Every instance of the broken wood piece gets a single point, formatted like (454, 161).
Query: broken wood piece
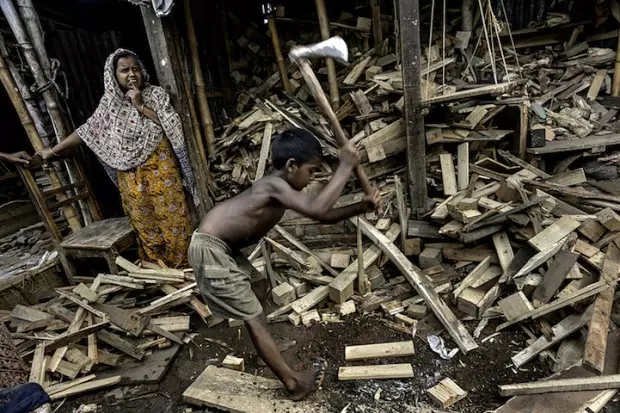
(447, 392)
(463, 165)
(309, 316)
(297, 244)
(469, 300)
(430, 257)
(424, 287)
(380, 372)
(561, 330)
(554, 233)
(71, 337)
(447, 174)
(119, 343)
(609, 219)
(416, 311)
(381, 350)
(553, 279)
(86, 387)
(562, 385)
(233, 363)
(86, 293)
(515, 305)
(339, 260)
(476, 273)
(39, 364)
(156, 304)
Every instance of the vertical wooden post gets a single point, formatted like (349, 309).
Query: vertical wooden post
(161, 43)
(615, 90)
(278, 51)
(467, 15)
(334, 94)
(410, 51)
(377, 32)
(31, 19)
(203, 102)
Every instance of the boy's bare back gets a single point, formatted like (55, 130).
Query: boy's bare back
(247, 217)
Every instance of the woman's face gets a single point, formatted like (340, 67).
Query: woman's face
(128, 73)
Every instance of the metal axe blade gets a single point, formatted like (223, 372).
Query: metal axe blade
(333, 47)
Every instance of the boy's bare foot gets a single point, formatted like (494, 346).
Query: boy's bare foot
(309, 380)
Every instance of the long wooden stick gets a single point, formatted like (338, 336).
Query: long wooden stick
(203, 103)
(329, 62)
(321, 100)
(615, 89)
(377, 32)
(278, 51)
(48, 95)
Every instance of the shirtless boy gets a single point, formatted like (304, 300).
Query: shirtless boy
(228, 282)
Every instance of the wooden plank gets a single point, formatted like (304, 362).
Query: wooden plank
(127, 265)
(72, 337)
(382, 350)
(381, 372)
(38, 367)
(546, 290)
(447, 174)
(596, 84)
(86, 293)
(120, 344)
(297, 244)
(476, 273)
(264, 151)
(515, 305)
(238, 392)
(401, 205)
(68, 384)
(463, 165)
(561, 330)
(596, 343)
(469, 93)
(561, 302)
(424, 287)
(422, 229)
(539, 259)
(341, 288)
(562, 385)
(576, 145)
(22, 312)
(447, 392)
(504, 250)
(554, 233)
(160, 302)
(310, 300)
(86, 387)
(356, 72)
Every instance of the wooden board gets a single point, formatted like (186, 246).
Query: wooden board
(571, 402)
(515, 305)
(576, 145)
(151, 369)
(561, 330)
(447, 392)
(562, 264)
(554, 233)
(381, 350)
(594, 354)
(463, 165)
(562, 385)
(424, 287)
(447, 174)
(386, 371)
(238, 392)
(341, 288)
(85, 387)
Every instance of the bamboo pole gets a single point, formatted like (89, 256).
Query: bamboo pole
(190, 102)
(33, 25)
(32, 134)
(278, 51)
(33, 109)
(377, 32)
(203, 103)
(615, 90)
(334, 94)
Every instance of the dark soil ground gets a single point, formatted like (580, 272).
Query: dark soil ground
(478, 372)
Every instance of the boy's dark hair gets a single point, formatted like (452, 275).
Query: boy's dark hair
(295, 143)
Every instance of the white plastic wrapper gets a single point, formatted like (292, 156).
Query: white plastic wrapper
(438, 346)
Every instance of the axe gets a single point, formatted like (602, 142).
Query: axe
(335, 48)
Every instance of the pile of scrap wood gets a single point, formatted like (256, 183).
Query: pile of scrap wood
(82, 339)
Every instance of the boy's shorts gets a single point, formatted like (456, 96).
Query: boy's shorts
(224, 278)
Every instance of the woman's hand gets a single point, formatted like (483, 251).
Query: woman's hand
(45, 153)
(135, 96)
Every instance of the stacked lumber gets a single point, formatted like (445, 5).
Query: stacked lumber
(78, 340)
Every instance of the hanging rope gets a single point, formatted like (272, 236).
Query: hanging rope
(512, 42)
(495, 24)
(443, 47)
(486, 35)
(428, 52)
(55, 71)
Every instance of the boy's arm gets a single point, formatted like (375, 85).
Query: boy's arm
(318, 206)
(368, 203)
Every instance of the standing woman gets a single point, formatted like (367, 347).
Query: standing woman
(136, 134)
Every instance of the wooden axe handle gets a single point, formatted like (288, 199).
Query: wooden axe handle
(319, 95)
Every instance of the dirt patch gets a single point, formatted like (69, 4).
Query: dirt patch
(478, 372)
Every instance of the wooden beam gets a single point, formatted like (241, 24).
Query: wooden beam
(341, 288)
(561, 330)
(382, 350)
(334, 93)
(424, 287)
(448, 175)
(554, 233)
(562, 385)
(387, 371)
(410, 51)
(72, 337)
(168, 69)
(596, 343)
(462, 160)
(85, 387)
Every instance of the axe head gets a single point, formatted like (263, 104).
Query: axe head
(333, 47)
